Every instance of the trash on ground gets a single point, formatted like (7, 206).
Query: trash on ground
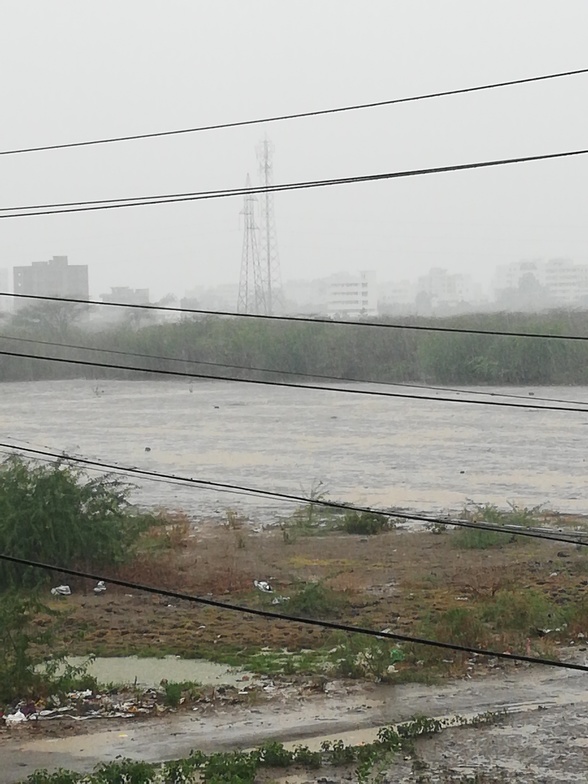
(61, 590)
(263, 586)
(100, 587)
(85, 705)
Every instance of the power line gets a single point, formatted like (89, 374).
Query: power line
(290, 497)
(302, 319)
(297, 115)
(173, 198)
(293, 373)
(280, 616)
(289, 384)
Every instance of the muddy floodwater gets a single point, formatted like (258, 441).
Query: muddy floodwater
(418, 454)
(149, 672)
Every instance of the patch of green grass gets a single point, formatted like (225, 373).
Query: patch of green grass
(522, 611)
(482, 539)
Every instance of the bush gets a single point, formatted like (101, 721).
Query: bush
(316, 601)
(174, 692)
(18, 677)
(23, 672)
(56, 514)
(481, 539)
(360, 656)
(366, 523)
(521, 611)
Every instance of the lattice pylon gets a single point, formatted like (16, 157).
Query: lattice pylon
(270, 260)
(252, 288)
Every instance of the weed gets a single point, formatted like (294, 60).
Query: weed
(274, 755)
(127, 771)
(366, 523)
(240, 767)
(176, 692)
(521, 611)
(481, 539)
(234, 520)
(316, 601)
(60, 776)
(358, 656)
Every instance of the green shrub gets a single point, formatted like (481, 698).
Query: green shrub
(316, 601)
(274, 755)
(460, 625)
(481, 539)
(174, 691)
(360, 656)
(56, 514)
(521, 611)
(366, 523)
(18, 676)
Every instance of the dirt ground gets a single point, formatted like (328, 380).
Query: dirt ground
(397, 580)
(400, 580)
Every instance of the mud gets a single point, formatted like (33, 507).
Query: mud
(543, 740)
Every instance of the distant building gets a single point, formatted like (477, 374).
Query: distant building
(553, 282)
(216, 298)
(397, 296)
(126, 296)
(53, 278)
(441, 289)
(5, 302)
(352, 296)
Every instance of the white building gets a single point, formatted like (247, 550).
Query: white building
(563, 282)
(352, 296)
(446, 289)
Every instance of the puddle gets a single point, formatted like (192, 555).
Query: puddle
(149, 672)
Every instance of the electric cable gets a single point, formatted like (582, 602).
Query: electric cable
(302, 319)
(290, 497)
(281, 616)
(143, 201)
(290, 384)
(297, 115)
(293, 373)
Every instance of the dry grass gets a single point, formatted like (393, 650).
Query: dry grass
(401, 580)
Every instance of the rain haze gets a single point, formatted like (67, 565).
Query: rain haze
(75, 71)
(359, 409)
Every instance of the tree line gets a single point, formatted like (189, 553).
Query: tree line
(340, 350)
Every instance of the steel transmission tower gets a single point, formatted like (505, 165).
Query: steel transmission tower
(252, 290)
(270, 261)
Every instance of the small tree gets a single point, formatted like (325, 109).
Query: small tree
(18, 676)
(56, 514)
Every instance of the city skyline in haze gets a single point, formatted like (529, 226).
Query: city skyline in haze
(83, 72)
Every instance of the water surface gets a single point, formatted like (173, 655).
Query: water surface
(418, 454)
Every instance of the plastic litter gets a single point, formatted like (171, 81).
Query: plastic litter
(263, 586)
(280, 599)
(15, 718)
(100, 587)
(61, 590)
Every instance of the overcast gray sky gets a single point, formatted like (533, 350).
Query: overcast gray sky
(75, 69)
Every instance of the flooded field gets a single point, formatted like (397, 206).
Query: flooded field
(419, 454)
